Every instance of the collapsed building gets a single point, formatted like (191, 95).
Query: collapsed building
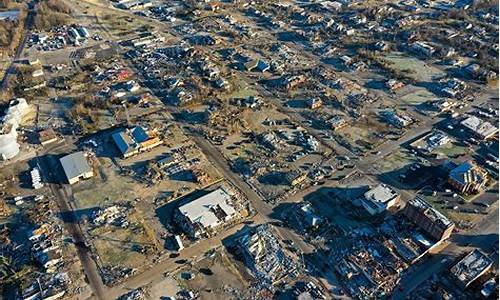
(264, 255)
(470, 268)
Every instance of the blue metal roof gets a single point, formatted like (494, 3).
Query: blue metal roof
(123, 142)
(139, 134)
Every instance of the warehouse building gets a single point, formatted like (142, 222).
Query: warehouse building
(204, 215)
(76, 167)
(133, 141)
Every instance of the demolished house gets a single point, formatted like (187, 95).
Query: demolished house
(264, 255)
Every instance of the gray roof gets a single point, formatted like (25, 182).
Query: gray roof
(200, 210)
(75, 164)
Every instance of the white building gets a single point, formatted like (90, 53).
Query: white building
(379, 199)
(204, 215)
(76, 167)
(481, 129)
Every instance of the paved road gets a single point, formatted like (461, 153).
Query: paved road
(51, 172)
(30, 18)
(63, 195)
(263, 208)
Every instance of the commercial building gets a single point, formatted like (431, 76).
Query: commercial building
(379, 199)
(76, 167)
(202, 216)
(481, 129)
(470, 268)
(468, 178)
(435, 224)
(133, 141)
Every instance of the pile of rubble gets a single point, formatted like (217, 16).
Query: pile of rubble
(136, 294)
(112, 215)
(113, 274)
(265, 257)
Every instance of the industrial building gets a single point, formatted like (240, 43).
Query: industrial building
(468, 178)
(435, 224)
(470, 268)
(133, 141)
(479, 128)
(202, 216)
(379, 199)
(76, 167)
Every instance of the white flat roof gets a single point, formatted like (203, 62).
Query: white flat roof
(381, 194)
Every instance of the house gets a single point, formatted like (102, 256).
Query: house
(379, 199)
(394, 84)
(257, 65)
(468, 178)
(295, 178)
(481, 129)
(37, 73)
(337, 123)
(396, 120)
(133, 141)
(204, 215)
(314, 103)
(470, 268)
(382, 46)
(423, 48)
(442, 105)
(76, 167)
(431, 221)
